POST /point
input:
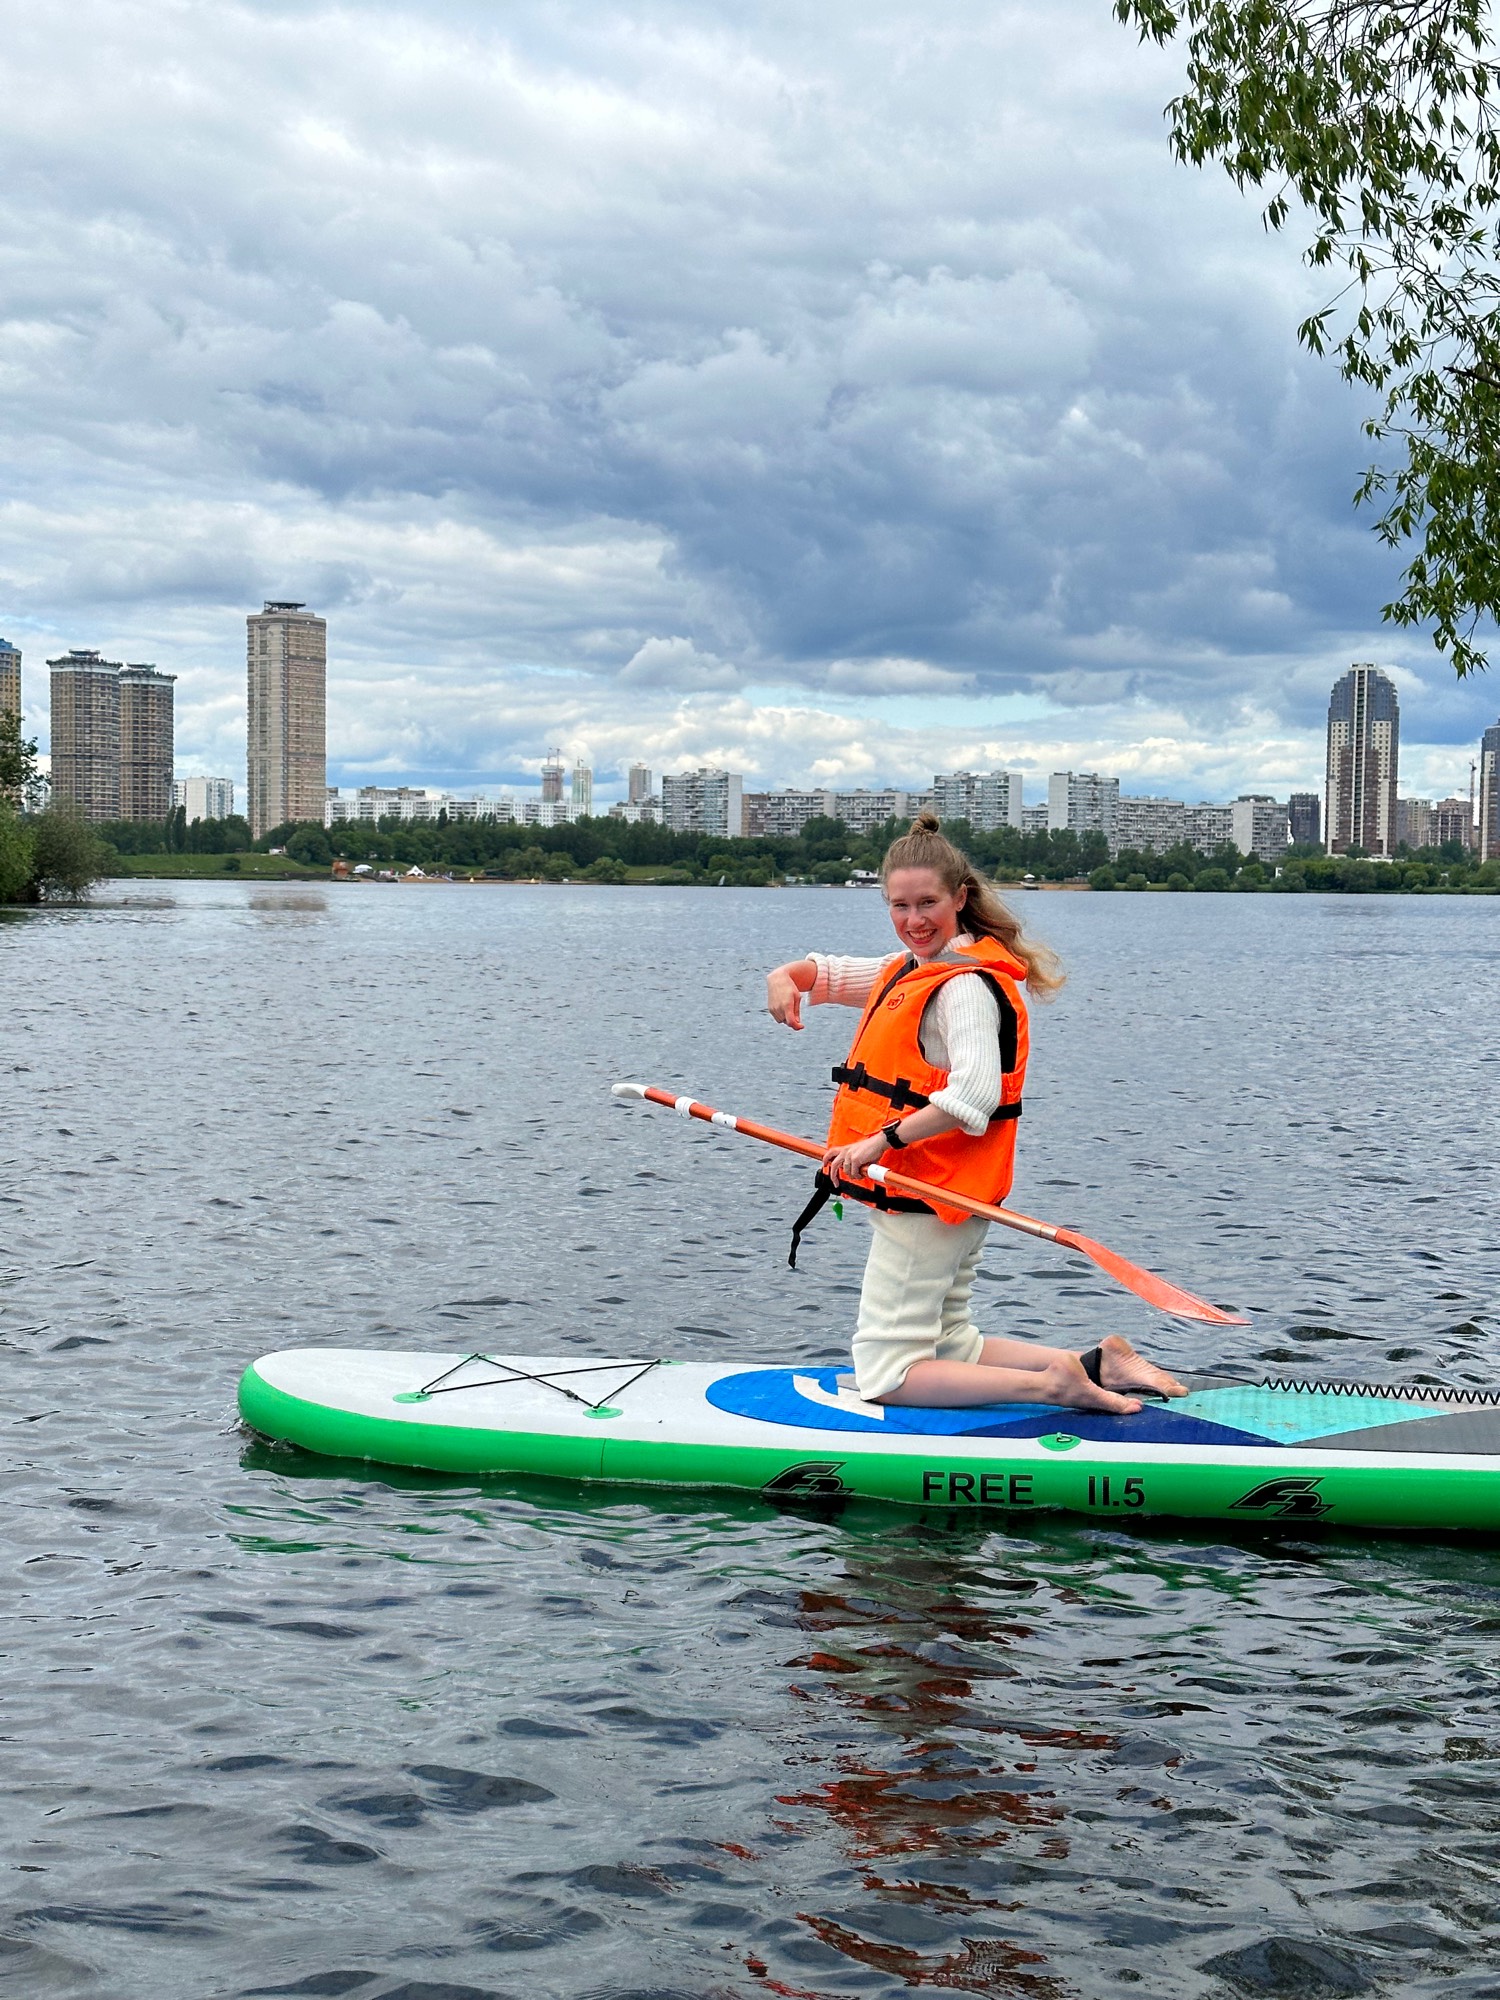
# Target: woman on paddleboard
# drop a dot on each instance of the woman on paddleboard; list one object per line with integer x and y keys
{"x": 933, "y": 1079}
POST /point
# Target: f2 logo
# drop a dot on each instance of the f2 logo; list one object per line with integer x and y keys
{"x": 817, "y": 1480}
{"x": 1293, "y": 1498}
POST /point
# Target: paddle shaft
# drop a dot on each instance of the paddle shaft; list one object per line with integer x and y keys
{"x": 1145, "y": 1284}
{"x": 689, "y": 1107}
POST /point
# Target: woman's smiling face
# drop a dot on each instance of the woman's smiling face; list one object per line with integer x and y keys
{"x": 926, "y": 915}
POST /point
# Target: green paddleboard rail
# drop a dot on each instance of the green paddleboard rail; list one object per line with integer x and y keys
{"x": 1279, "y": 1491}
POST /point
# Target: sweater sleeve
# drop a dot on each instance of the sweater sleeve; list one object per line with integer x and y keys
{"x": 844, "y": 982}
{"x": 966, "y": 1016}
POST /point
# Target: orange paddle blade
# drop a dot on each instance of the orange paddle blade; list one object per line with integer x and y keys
{"x": 1145, "y": 1284}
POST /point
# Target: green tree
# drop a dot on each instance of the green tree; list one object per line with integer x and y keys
{"x": 17, "y": 846}
{"x": 309, "y": 845}
{"x": 17, "y": 757}
{"x": 1379, "y": 121}
{"x": 67, "y": 857}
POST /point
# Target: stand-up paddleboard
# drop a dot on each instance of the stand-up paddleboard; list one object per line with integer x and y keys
{"x": 1350, "y": 1454}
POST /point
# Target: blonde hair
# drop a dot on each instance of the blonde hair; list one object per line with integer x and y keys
{"x": 984, "y": 915}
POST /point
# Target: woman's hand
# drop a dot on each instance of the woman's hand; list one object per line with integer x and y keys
{"x": 785, "y": 988}
{"x": 848, "y": 1163}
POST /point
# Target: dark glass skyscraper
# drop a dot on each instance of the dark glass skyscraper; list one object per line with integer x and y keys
{"x": 1364, "y": 746}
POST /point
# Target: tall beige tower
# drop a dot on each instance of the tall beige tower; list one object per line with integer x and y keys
{"x": 286, "y": 752}
{"x": 145, "y": 743}
{"x": 86, "y": 735}
{"x": 10, "y": 679}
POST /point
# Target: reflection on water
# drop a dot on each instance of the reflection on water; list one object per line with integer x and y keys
{"x": 283, "y": 1725}
{"x": 291, "y": 903}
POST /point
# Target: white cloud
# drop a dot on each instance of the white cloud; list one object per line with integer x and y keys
{"x": 676, "y": 663}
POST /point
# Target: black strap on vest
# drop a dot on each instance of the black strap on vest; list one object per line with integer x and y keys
{"x": 901, "y": 1094}
{"x": 825, "y": 1190}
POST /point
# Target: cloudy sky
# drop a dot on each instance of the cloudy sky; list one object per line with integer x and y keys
{"x": 839, "y": 393}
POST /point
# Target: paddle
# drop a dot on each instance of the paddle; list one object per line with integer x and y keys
{"x": 1155, "y": 1291}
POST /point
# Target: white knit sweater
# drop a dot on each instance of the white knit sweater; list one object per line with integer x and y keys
{"x": 961, "y": 1032}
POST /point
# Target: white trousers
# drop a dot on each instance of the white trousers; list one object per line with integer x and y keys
{"x": 914, "y": 1303}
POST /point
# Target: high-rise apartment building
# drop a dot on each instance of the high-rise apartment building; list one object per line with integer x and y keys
{"x": 145, "y": 742}
{"x": 1304, "y": 812}
{"x": 581, "y": 800}
{"x": 783, "y": 815}
{"x": 1209, "y": 827}
{"x": 10, "y": 679}
{"x": 1488, "y": 830}
{"x": 865, "y": 811}
{"x": 86, "y": 735}
{"x": 1083, "y": 802}
{"x": 286, "y": 751}
{"x": 640, "y": 784}
{"x": 987, "y": 799}
{"x": 552, "y": 779}
{"x": 1364, "y": 747}
{"x": 204, "y": 798}
{"x": 1414, "y": 822}
{"x": 1453, "y": 819}
{"x": 1259, "y": 826}
{"x": 1148, "y": 826}
{"x": 704, "y": 801}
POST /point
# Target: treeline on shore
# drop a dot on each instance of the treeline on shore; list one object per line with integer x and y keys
{"x": 51, "y": 853}
{"x": 1450, "y": 870}
{"x": 602, "y": 849}
{"x": 610, "y": 850}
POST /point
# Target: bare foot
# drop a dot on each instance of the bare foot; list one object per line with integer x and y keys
{"x": 1122, "y": 1369}
{"x": 1064, "y": 1382}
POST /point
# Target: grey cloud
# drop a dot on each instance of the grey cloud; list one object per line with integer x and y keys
{"x": 529, "y": 341}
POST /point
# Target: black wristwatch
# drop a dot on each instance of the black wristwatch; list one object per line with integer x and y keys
{"x": 892, "y": 1134}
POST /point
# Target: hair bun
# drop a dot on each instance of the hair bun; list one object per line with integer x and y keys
{"x": 926, "y": 822}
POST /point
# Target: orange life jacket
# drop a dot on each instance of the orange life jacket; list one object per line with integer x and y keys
{"x": 886, "y": 1075}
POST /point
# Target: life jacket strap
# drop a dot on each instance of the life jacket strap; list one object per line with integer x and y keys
{"x": 824, "y": 1191}
{"x": 903, "y": 1098}
{"x": 821, "y": 1196}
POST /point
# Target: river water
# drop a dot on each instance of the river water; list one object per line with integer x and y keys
{"x": 273, "y": 1726}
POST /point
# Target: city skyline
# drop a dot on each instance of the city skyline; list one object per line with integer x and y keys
{"x": 115, "y": 760}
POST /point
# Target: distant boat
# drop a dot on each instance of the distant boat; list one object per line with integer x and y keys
{"x": 1030, "y": 882}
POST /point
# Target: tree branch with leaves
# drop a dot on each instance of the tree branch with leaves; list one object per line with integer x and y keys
{"x": 1379, "y": 122}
